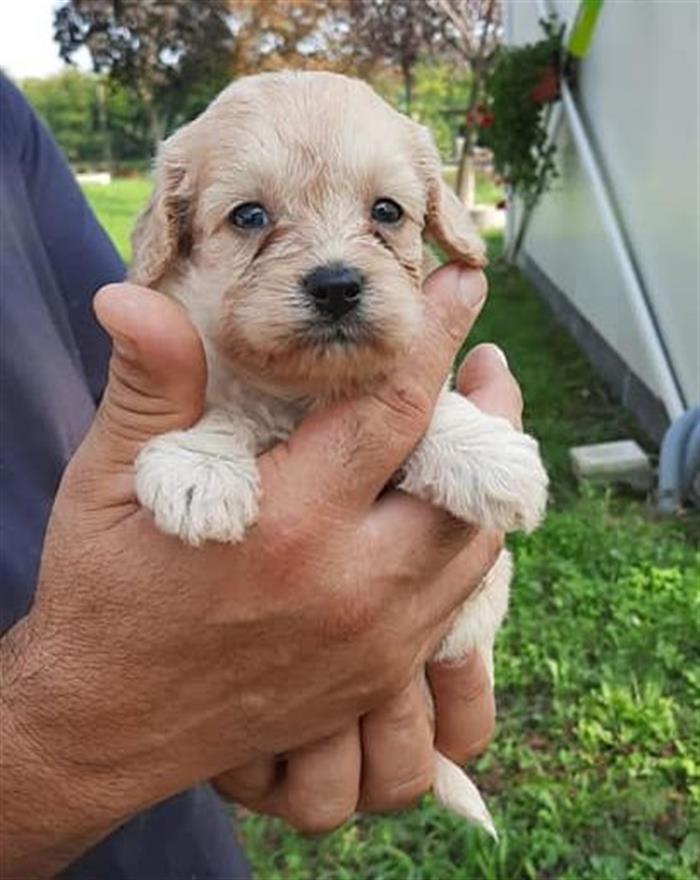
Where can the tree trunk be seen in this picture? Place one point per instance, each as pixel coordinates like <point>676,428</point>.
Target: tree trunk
<point>465,186</point>
<point>156,125</point>
<point>104,128</point>
<point>407,71</point>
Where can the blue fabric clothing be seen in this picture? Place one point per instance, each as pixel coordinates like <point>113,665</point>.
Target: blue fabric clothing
<point>53,359</point>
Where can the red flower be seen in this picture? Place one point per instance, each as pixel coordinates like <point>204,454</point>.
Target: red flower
<point>546,89</point>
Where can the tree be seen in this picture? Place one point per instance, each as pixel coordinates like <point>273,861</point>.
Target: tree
<point>397,32</point>
<point>93,120</point>
<point>472,28</point>
<point>158,48</point>
<point>67,102</point>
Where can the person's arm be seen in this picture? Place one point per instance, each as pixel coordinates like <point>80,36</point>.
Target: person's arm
<point>145,665</point>
<point>80,252</point>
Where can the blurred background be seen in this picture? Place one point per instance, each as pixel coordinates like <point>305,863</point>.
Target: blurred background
<point>570,129</point>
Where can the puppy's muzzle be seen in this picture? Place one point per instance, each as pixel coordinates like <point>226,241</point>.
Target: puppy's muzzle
<point>334,290</point>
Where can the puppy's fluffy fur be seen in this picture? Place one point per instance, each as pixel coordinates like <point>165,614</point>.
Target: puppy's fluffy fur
<point>316,150</point>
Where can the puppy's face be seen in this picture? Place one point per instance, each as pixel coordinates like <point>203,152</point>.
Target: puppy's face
<point>290,219</point>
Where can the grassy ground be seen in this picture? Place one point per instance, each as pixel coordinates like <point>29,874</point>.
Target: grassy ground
<point>117,205</point>
<point>595,770</point>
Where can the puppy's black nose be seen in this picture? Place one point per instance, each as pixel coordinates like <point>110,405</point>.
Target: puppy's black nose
<point>334,289</point>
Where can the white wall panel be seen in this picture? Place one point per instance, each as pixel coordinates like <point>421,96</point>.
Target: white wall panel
<point>639,93</point>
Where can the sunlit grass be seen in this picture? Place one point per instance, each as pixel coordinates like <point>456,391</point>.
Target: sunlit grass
<point>117,204</point>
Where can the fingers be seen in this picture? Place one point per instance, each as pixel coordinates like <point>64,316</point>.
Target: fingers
<point>251,784</point>
<point>485,379</point>
<point>465,710</point>
<point>322,783</point>
<point>315,791</point>
<point>351,450</point>
<point>398,753</point>
<point>157,372</point>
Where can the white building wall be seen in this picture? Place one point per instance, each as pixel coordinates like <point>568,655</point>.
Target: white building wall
<point>639,94</point>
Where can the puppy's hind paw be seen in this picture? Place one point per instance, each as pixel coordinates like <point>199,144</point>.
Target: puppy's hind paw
<point>194,495</point>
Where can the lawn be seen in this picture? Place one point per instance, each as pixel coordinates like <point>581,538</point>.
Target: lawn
<point>117,205</point>
<point>595,770</point>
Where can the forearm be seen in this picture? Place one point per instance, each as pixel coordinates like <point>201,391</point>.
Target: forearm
<point>51,812</point>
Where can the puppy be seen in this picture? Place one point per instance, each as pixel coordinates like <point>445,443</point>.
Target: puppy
<point>289,219</point>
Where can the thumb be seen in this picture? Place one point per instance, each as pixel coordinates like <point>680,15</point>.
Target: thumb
<point>157,373</point>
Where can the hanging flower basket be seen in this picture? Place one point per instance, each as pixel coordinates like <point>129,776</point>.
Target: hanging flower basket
<point>521,85</point>
<point>547,90</point>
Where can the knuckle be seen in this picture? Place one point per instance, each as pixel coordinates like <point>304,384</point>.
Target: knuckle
<point>319,818</point>
<point>405,793</point>
<point>394,671</point>
<point>405,403</point>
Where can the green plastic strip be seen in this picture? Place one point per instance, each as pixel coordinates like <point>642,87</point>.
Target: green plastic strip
<point>582,33</point>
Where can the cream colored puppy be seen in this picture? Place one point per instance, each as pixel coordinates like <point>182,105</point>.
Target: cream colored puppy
<point>289,219</point>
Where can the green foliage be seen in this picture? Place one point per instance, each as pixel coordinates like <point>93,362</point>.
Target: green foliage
<point>69,103</point>
<point>517,133</point>
<point>439,98</point>
<point>594,773</point>
<point>440,95</point>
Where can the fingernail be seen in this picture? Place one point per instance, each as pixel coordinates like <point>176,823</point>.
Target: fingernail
<point>500,354</point>
<point>471,286</point>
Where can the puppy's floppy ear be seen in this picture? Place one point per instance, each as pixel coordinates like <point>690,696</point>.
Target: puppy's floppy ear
<point>448,224</point>
<point>163,232</point>
<point>447,221</point>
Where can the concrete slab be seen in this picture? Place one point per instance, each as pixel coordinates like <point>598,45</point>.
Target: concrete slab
<point>622,461</point>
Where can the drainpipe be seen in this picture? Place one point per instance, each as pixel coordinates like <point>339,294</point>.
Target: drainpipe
<point>679,463</point>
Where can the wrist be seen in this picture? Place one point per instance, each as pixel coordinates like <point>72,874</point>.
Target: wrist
<point>53,807</point>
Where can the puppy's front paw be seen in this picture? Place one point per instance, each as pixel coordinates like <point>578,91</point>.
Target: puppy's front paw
<point>195,495</point>
<point>487,473</point>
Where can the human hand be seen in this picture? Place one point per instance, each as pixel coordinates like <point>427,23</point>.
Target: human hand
<point>386,762</point>
<point>146,666</point>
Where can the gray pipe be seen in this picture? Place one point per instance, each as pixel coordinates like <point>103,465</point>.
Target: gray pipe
<point>691,461</point>
<point>679,461</point>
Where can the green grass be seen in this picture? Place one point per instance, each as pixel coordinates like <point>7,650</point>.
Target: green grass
<point>117,205</point>
<point>595,770</point>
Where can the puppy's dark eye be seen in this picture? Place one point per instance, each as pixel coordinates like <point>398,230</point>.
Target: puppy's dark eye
<point>249,215</point>
<point>386,211</point>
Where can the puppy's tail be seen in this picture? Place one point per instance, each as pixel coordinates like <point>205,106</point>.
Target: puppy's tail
<point>454,790</point>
